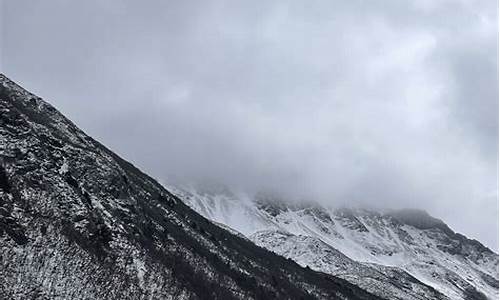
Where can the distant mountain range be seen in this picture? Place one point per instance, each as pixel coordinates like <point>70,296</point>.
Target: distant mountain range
<point>403,254</point>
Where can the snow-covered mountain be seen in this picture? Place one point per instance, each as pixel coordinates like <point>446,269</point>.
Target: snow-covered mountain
<point>79,222</point>
<point>403,254</point>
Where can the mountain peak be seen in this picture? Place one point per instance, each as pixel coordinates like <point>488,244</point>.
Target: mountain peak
<point>419,219</point>
<point>359,243</point>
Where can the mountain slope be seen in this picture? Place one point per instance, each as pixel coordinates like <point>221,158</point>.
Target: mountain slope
<point>408,244</point>
<point>79,222</point>
<point>392,283</point>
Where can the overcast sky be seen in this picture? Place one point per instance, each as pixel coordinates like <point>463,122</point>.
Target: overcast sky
<point>391,103</point>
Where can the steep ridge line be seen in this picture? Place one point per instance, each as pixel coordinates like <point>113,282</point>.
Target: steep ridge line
<point>79,222</point>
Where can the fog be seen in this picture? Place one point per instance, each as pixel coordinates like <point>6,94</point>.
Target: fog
<point>384,103</point>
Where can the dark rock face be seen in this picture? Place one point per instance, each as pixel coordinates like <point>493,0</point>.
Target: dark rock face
<point>79,222</point>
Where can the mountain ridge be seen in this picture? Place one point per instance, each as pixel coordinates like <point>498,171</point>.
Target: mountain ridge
<point>411,241</point>
<point>79,222</point>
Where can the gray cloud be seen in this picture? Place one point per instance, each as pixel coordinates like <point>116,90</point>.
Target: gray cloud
<point>389,103</point>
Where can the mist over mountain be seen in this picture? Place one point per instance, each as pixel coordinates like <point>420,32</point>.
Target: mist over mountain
<point>388,103</point>
<point>79,222</point>
<point>267,149</point>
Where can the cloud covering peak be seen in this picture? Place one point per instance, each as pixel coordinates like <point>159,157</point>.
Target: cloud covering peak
<point>393,103</point>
